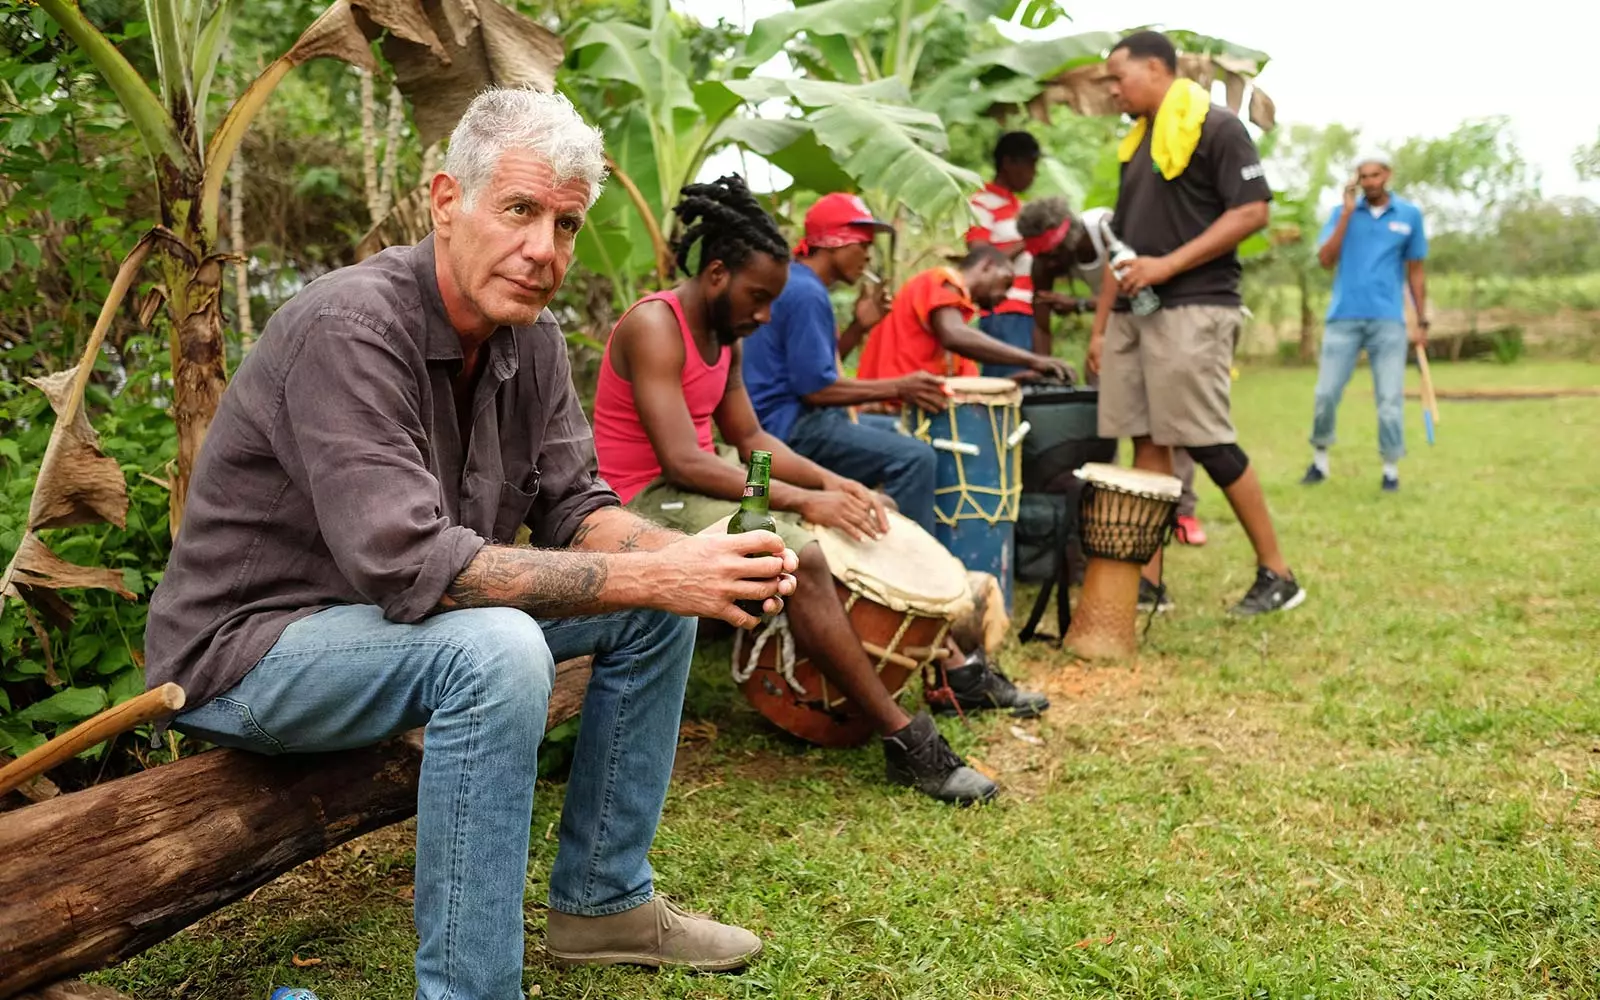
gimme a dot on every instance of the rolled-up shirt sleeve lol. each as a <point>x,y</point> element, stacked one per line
<point>354,436</point>
<point>570,487</point>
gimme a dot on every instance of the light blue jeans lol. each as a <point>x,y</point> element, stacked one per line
<point>480,681</point>
<point>1386,345</point>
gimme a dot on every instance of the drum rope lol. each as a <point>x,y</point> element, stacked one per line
<point>785,657</point>
<point>1010,460</point>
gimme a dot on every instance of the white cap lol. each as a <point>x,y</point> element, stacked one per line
<point>1373,156</point>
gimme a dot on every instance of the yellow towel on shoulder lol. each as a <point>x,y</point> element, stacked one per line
<point>1177,129</point>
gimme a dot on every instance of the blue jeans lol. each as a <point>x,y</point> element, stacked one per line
<point>480,681</point>
<point>1386,344</point>
<point>873,453</point>
<point>1015,329</point>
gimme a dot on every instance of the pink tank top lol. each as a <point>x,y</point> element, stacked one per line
<point>627,460</point>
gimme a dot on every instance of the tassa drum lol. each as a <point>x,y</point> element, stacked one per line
<point>901,592</point>
<point>1125,517</point>
<point>979,482</point>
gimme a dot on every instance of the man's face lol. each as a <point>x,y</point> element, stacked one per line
<point>1019,173</point>
<point>852,260</point>
<point>1137,85</point>
<point>740,302</point>
<point>989,283</point>
<point>1374,179</point>
<point>507,255</point>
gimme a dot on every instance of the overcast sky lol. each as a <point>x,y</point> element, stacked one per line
<point>1429,64</point>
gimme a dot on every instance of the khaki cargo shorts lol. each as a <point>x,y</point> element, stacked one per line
<point>1166,376</point>
<point>688,512</point>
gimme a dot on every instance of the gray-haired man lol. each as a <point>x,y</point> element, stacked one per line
<point>346,570</point>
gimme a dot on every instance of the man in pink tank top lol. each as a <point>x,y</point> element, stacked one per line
<point>671,370</point>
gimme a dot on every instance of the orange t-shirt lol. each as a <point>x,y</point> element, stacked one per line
<point>904,341</point>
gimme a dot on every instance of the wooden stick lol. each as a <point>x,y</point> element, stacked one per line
<point>1428,398</point>
<point>147,707</point>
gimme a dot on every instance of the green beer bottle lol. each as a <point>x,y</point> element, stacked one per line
<point>754,513</point>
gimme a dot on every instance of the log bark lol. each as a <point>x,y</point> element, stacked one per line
<point>90,878</point>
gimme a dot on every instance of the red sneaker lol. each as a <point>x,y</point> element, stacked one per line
<point>1189,530</point>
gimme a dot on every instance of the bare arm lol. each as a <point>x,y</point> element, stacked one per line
<point>546,583</point>
<point>613,529</point>
<point>1328,253</point>
<point>955,335</point>
<point>1417,279</point>
<point>1104,302</point>
<point>852,391</point>
<point>1220,237</point>
<point>1044,280</point>
<point>850,338</point>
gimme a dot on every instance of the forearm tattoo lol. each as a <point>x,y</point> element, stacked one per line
<point>543,582</point>
<point>617,530</point>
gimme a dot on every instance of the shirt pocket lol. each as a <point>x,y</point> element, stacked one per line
<point>515,502</point>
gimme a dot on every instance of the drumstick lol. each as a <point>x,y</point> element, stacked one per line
<point>147,707</point>
<point>1430,403</point>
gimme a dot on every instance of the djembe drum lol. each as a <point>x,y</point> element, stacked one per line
<point>1125,517</point>
<point>978,485</point>
<point>901,592</point>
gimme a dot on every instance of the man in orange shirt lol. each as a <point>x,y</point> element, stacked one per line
<point>926,329</point>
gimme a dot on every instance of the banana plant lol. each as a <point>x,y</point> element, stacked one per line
<point>661,124</point>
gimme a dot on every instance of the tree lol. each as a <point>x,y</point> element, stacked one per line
<point>1305,163</point>
<point>663,117</point>
<point>1465,181</point>
<point>1586,161</point>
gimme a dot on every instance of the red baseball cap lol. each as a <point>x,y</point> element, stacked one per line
<point>837,220</point>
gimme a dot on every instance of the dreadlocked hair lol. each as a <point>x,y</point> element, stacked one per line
<point>727,222</point>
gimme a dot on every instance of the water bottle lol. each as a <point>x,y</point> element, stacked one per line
<point>286,993</point>
<point>1145,301</point>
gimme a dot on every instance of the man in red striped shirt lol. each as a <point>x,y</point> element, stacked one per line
<point>995,209</point>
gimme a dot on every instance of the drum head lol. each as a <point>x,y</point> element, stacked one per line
<point>906,570</point>
<point>1139,482</point>
<point>983,389</point>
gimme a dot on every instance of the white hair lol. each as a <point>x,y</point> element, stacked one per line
<point>545,124</point>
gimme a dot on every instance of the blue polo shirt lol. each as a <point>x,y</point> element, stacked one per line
<point>1370,281</point>
<point>794,355</point>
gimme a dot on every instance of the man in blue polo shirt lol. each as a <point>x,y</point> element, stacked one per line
<point>1377,243</point>
<point>791,366</point>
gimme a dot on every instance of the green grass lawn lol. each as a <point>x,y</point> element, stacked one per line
<point>1393,791</point>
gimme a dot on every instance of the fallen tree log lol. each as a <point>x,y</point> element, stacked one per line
<point>89,878</point>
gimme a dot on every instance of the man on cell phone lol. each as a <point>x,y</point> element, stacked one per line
<point>1375,244</point>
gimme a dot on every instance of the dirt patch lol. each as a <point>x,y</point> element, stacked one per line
<point>1068,681</point>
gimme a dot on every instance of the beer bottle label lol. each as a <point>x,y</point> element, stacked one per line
<point>752,490</point>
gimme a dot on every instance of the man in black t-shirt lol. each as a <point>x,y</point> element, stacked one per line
<point>1192,188</point>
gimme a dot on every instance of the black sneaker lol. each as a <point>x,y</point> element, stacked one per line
<point>977,687</point>
<point>1391,484</point>
<point>1148,601</point>
<point>1313,476</point>
<point>918,756</point>
<point>1270,593</point>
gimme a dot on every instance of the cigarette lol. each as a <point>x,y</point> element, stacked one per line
<point>872,277</point>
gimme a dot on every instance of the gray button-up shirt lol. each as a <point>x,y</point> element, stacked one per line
<point>335,472</point>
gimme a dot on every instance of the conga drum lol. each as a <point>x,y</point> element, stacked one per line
<point>1125,517</point>
<point>901,593</point>
<point>979,482</point>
